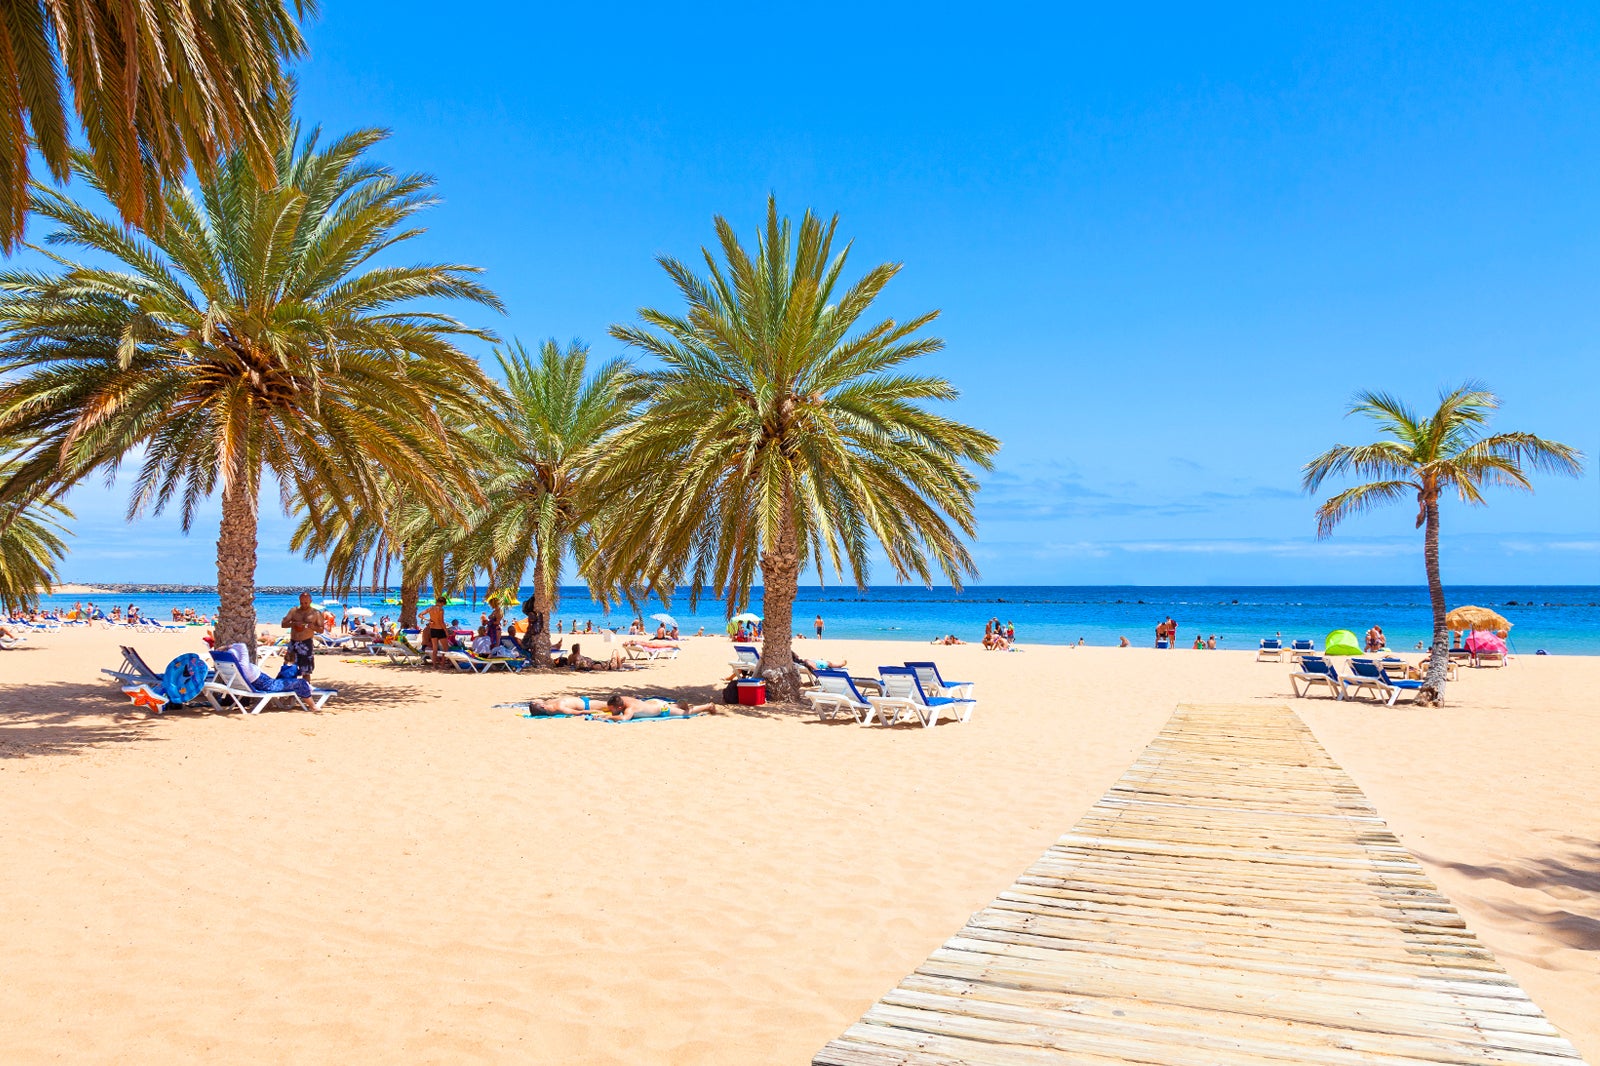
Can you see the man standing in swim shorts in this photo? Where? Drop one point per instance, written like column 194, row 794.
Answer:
column 303, row 623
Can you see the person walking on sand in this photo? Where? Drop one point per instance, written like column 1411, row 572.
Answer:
column 302, row 622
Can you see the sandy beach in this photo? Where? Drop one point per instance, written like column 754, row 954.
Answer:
column 414, row 876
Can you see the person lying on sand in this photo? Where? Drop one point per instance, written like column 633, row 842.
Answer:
column 562, row 705
column 617, row 706
column 950, row 638
column 622, row 708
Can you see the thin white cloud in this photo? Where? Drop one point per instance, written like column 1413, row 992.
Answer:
column 1294, row 548
column 1526, row 547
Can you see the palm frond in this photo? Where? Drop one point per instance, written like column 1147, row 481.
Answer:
column 1428, row 455
column 156, row 88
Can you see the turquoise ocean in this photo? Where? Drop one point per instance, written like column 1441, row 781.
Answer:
column 1560, row 619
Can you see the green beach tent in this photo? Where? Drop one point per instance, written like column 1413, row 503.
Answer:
column 1341, row 642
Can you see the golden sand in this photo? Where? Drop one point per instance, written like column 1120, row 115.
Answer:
column 414, row 876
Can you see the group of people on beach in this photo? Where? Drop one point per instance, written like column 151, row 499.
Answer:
column 997, row 637
column 1167, row 637
column 84, row 613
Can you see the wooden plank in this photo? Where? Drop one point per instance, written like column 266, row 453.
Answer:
column 1233, row 900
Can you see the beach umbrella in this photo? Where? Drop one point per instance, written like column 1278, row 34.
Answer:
column 360, row 612
column 745, row 617
column 1480, row 642
column 1342, row 642
column 1475, row 618
column 665, row 619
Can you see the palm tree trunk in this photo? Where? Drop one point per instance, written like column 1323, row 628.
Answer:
column 410, row 594
column 1432, row 692
column 544, row 602
column 780, row 578
column 236, row 567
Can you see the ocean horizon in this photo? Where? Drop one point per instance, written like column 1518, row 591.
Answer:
column 1558, row 619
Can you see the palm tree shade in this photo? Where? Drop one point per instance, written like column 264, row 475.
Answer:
column 781, row 430
column 155, row 87
column 252, row 334
column 1425, row 457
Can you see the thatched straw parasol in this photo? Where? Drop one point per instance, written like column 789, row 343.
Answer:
column 1475, row 618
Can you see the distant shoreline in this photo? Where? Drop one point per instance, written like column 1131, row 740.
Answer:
column 117, row 589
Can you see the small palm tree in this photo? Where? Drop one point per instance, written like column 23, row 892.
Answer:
column 1426, row 457
column 552, row 416
column 252, row 335
column 30, row 547
column 156, row 86
column 362, row 546
column 781, row 432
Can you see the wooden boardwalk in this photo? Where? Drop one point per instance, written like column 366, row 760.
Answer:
column 1234, row 900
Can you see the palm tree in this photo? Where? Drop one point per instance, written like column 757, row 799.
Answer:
column 30, row 547
column 360, row 547
column 780, row 432
column 252, row 335
column 537, row 500
column 156, row 86
column 1425, row 457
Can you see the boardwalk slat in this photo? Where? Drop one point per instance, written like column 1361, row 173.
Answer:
column 1233, row 900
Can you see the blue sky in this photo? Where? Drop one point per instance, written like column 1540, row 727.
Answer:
column 1168, row 244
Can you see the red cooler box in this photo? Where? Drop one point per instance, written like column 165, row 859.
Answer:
column 752, row 693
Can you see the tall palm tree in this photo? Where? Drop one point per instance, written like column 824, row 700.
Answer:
column 30, row 546
column 1426, row 456
column 538, row 504
column 781, row 432
column 253, row 334
column 156, row 87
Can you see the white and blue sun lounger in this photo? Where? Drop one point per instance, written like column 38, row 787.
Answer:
column 837, row 694
column 904, row 700
column 935, row 685
column 1314, row 671
column 1370, row 677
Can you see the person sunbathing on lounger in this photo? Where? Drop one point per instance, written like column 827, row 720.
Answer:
column 578, row 661
column 820, row 664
